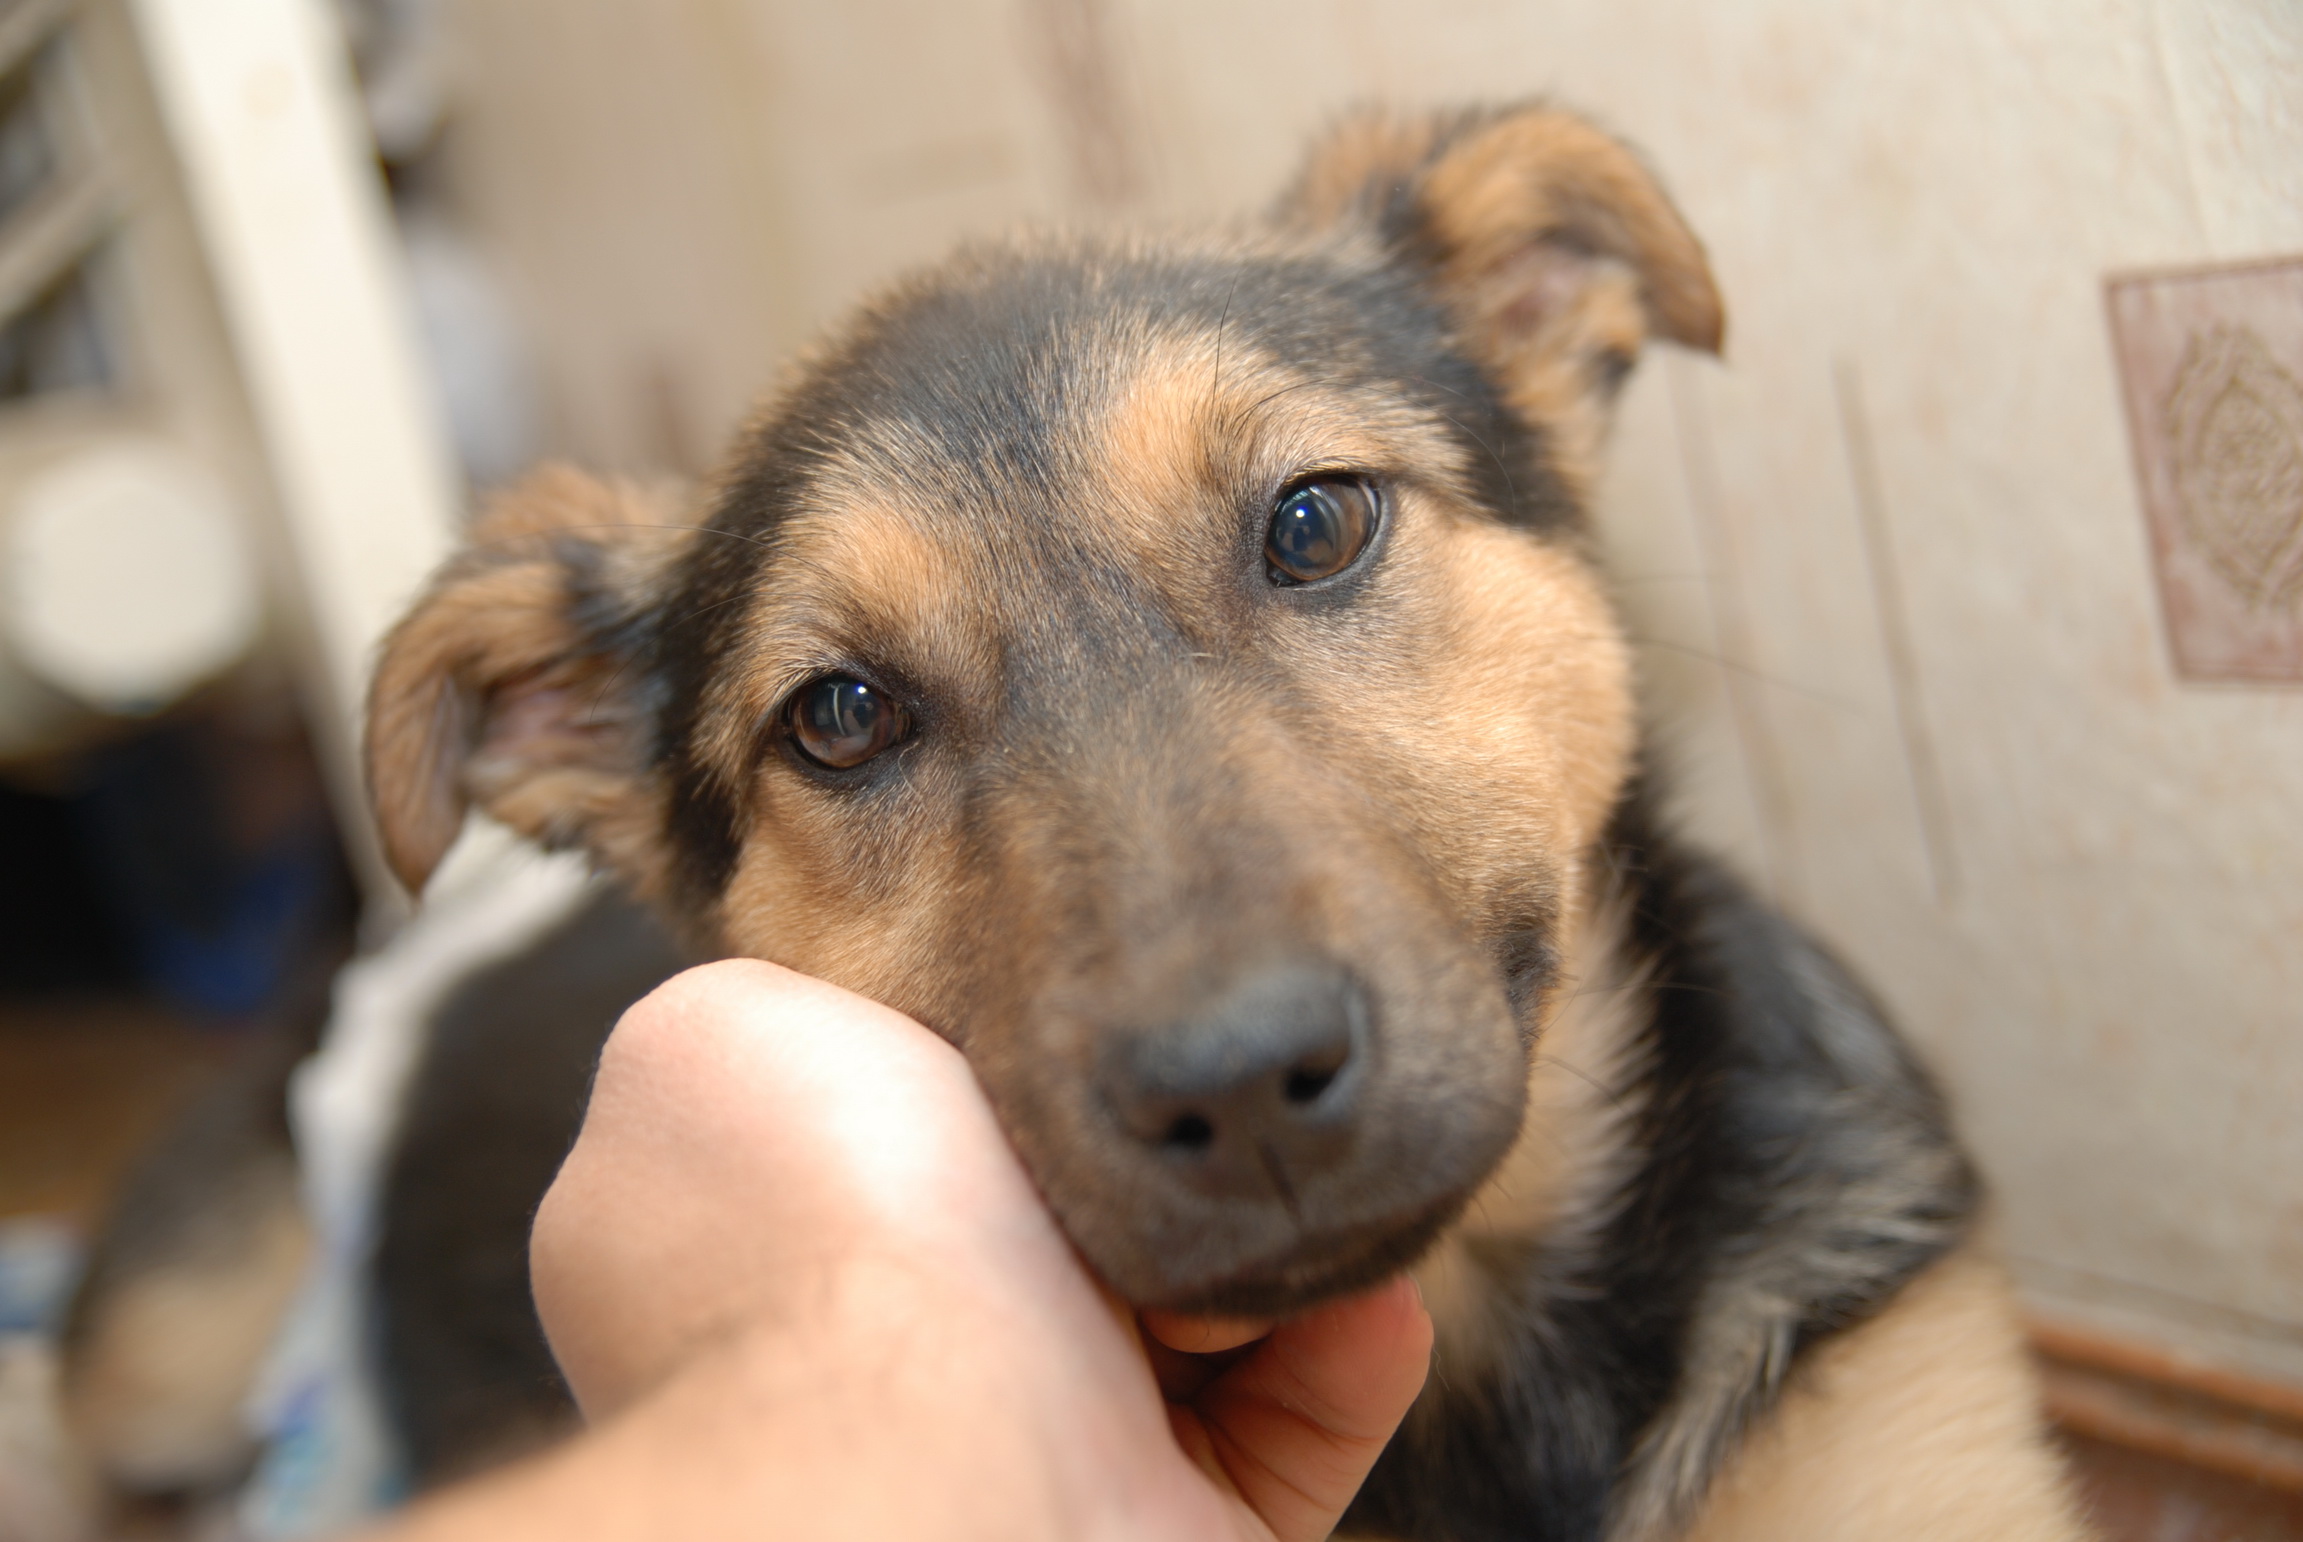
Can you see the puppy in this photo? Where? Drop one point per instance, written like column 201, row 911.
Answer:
column 1174, row 669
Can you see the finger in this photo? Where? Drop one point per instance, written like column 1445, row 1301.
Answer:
column 826, row 1125
column 1203, row 1335
column 1297, row 1425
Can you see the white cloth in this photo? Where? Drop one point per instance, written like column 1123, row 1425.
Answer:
column 329, row 1457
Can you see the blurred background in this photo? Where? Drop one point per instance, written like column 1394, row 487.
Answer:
column 1969, row 588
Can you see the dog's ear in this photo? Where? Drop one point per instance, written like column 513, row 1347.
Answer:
column 520, row 682
column 1552, row 246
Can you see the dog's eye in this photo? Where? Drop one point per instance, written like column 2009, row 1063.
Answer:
column 1319, row 529
column 839, row 721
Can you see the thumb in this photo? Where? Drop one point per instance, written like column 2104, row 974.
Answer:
column 1293, row 1430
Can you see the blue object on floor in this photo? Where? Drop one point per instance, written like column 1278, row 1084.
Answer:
column 39, row 1263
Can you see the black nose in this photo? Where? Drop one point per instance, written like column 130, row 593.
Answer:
column 1252, row 1094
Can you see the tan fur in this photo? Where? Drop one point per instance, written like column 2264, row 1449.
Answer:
column 156, row 1391
column 1550, row 364
column 872, row 562
column 1563, row 1173
column 1524, row 636
column 1365, row 155
column 1158, row 418
column 1921, row 1424
column 1556, row 249
column 486, row 694
column 1499, row 187
column 1538, row 176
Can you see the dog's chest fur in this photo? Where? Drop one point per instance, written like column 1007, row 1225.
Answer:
column 1730, row 1156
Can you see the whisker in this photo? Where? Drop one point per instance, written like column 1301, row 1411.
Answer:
column 1510, row 487
column 617, row 674
column 1239, row 419
column 510, row 543
column 1594, row 1083
column 1621, row 580
column 1824, row 698
column 1223, row 321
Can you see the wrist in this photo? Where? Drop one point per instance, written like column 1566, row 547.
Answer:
column 872, row 1401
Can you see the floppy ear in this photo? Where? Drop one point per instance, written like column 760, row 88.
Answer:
column 520, row 682
column 1554, row 250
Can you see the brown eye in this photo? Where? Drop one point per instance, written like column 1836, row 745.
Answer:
column 1319, row 529
column 840, row 722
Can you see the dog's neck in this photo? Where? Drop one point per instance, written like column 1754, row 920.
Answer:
column 1555, row 1188
column 1726, row 1155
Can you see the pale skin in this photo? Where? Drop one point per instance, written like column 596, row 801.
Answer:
column 802, row 1288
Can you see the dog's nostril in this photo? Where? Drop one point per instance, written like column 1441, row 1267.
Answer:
column 1306, row 1083
column 1189, row 1132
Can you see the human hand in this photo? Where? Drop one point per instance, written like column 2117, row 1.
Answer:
column 793, row 1271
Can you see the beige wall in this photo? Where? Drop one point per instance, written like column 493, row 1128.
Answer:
column 1887, row 560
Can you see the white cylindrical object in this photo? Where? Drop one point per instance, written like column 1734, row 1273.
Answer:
column 126, row 578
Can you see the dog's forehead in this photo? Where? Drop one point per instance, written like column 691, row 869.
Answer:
column 1038, row 442
column 1046, row 416
column 1138, row 476
column 978, row 384
column 1013, row 381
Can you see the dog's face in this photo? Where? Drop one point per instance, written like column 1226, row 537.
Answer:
column 1168, row 669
